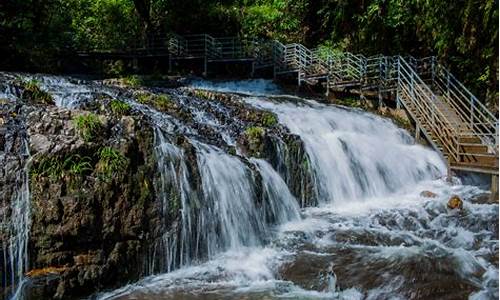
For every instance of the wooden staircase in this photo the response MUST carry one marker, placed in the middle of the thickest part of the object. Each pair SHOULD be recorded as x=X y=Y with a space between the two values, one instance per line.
x=466 y=137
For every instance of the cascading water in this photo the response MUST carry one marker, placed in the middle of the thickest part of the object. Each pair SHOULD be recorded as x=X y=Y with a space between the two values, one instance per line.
x=241 y=234
x=16 y=248
x=353 y=153
x=223 y=215
x=364 y=239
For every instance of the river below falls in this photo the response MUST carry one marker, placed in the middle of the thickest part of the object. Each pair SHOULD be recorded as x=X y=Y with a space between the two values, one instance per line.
x=370 y=244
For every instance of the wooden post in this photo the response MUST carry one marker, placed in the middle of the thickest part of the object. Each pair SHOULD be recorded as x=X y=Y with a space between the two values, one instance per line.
x=494 y=189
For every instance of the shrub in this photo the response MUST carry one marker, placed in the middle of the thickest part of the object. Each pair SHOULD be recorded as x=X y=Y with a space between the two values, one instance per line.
x=143 y=98
x=254 y=132
x=111 y=162
x=51 y=167
x=78 y=165
x=254 y=141
x=88 y=126
x=269 y=119
x=162 y=102
x=119 y=107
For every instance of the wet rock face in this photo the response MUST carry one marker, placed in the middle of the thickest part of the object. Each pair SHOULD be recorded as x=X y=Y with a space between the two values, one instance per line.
x=92 y=215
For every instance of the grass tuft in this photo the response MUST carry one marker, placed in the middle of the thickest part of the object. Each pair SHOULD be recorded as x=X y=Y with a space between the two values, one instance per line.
x=111 y=162
x=88 y=125
x=119 y=108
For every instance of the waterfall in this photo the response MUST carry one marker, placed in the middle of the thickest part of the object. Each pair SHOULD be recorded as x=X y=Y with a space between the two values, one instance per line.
x=280 y=205
x=355 y=155
x=19 y=227
x=232 y=223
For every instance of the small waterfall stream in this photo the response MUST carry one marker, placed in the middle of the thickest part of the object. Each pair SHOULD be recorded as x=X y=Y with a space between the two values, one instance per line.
x=242 y=233
x=16 y=251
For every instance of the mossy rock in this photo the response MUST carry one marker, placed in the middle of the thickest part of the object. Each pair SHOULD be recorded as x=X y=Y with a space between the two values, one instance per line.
x=252 y=141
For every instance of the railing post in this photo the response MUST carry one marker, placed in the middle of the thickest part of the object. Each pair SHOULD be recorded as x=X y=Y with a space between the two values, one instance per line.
x=471 y=111
x=448 y=83
x=398 y=86
x=412 y=84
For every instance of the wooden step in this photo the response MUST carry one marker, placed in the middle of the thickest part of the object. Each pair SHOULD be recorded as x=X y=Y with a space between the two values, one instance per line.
x=473 y=148
x=469 y=139
x=476 y=167
x=488 y=159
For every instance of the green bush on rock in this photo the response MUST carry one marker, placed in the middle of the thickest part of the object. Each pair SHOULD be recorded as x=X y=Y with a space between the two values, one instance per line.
x=55 y=168
x=254 y=133
x=269 y=119
x=161 y=102
x=254 y=140
x=88 y=125
x=132 y=81
x=119 y=108
x=111 y=162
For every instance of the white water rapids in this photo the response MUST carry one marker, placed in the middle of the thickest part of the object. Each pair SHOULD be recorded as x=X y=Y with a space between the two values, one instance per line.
x=373 y=236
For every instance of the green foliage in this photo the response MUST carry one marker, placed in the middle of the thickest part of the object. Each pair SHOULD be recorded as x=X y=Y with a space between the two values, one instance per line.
x=51 y=167
x=144 y=98
x=463 y=34
x=56 y=168
x=104 y=24
x=114 y=68
x=88 y=126
x=111 y=162
x=119 y=107
x=162 y=102
x=254 y=133
x=254 y=140
x=132 y=80
x=278 y=19
x=78 y=165
x=269 y=119
x=34 y=93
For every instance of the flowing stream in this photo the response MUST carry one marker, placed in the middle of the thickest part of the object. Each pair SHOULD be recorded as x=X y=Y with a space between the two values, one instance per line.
x=371 y=236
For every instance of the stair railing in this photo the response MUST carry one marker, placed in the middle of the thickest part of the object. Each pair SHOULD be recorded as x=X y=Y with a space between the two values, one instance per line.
x=415 y=93
x=479 y=119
